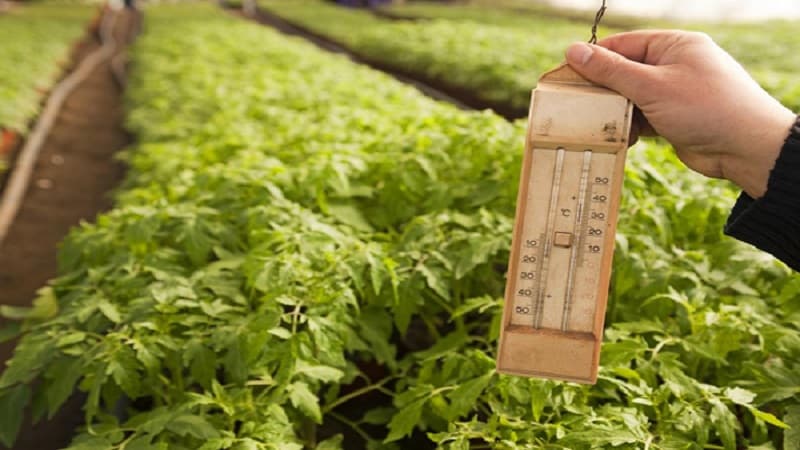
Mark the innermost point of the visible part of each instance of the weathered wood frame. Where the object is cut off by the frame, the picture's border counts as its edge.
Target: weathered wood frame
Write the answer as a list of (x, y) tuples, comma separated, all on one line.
[(560, 119)]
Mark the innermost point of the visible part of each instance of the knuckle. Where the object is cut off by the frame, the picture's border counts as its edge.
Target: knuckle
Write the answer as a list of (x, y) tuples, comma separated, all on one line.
[(700, 37)]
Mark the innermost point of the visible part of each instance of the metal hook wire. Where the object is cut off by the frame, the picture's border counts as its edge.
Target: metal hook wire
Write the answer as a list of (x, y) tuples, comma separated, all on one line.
[(597, 18)]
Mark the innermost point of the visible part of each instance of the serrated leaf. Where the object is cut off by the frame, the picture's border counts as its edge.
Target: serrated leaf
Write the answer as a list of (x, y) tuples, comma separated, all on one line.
[(334, 443), (203, 367), (725, 424), (152, 422), (71, 338), (322, 373), (144, 443), (193, 425), (217, 444), (63, 376), (740, 396), (539, 398), (196, 242), (304, 400), (110, 311), (31, 353), (124, 369), (246, 444), (280, 332), (375, 326), (406, 419), (85, 442), (350, 215), (464, 397), (12, 405), (791, 437), (379, 416), (45, 306), (435, 281)]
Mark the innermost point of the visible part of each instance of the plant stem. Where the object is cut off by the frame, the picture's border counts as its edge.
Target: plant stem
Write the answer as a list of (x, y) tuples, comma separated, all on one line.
[(354, 394), (364, 435)]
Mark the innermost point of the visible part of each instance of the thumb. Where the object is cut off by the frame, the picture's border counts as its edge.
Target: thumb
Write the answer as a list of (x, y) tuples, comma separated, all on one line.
[(610, 69)]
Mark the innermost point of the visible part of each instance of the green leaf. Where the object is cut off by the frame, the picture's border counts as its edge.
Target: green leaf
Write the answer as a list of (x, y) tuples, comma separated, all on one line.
[(350, 215), (62, 375), (767, 417), (246, 444), (124, 369), (190, 424), (12, 405), (791, 437), (379, 416), (31, 353), (322, 373), (404, 422), (443, 346), (539, 397), (71, 338), (378, 272), (234, 362), (217, 444), (464, 397), (45, 306), (85, 442), (375, 326), (9, 332), (140, 443), (195, 241), (110, 311), (280, 332), (477, 304), (435, 281), (740, 396), (334, 443), (725, 423), (621, 353), (203, 364), (303, 399)]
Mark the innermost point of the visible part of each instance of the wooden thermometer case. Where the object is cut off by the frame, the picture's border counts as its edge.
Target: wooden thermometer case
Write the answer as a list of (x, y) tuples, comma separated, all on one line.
[(564, 231)]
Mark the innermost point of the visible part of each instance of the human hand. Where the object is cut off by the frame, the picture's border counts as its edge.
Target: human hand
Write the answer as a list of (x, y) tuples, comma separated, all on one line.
[(690, 91)]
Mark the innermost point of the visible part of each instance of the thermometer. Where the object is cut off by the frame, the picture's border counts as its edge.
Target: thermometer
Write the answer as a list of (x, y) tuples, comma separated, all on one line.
[(563, 242)]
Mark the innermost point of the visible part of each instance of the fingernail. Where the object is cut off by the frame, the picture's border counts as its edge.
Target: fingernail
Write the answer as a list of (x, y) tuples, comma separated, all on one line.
[(579, 53)]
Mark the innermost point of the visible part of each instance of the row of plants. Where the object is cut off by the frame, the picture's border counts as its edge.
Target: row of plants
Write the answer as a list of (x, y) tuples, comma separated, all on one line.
[(498, 65), (505, 12), (40, 37), (527, 15), (498, 53), (31, 60), (309, 254)]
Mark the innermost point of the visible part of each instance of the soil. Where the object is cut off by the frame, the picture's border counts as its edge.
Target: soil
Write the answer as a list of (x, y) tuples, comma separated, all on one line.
[(75, 172)]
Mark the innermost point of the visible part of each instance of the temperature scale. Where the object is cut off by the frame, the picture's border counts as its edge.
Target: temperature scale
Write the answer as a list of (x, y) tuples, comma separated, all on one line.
[(563, 243)]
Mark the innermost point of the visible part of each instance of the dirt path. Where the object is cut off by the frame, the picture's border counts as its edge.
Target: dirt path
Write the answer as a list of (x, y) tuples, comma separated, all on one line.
[(70, 183)]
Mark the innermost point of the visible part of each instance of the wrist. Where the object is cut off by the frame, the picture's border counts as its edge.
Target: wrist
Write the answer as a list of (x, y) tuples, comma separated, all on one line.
[(750, 167)]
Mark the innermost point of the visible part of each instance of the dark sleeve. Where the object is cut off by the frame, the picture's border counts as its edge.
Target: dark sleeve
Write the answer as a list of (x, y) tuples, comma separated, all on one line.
[(772, 223)]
